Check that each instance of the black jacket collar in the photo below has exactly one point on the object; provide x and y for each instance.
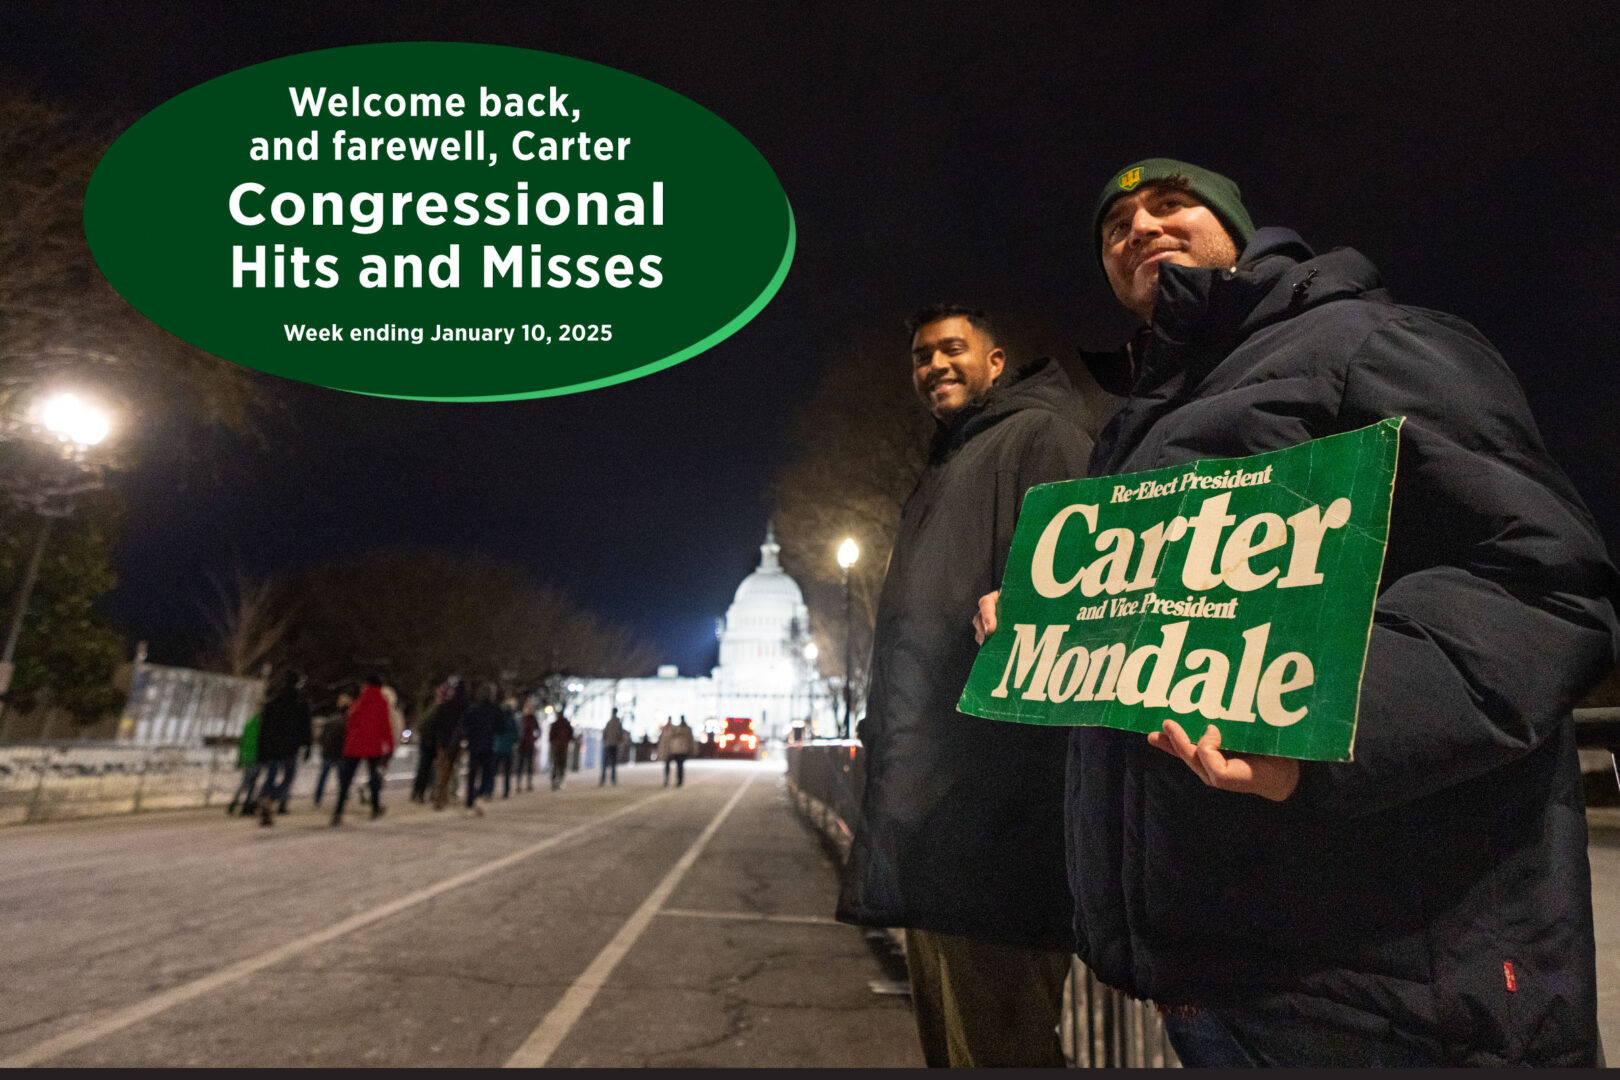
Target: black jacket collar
(1036, 384)
(1201, 314)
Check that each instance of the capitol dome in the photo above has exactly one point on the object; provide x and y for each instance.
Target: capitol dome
(768, 586)
(766, 623)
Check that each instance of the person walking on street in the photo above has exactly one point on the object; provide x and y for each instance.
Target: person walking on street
(247, 759)
(368, 737)
(559, 738)
(613, 737)
(286, 729)
(427, 747)
(333, 727)
(506, 737)
(675, 745)
(528, 739)
(447, 736)
(480, 727)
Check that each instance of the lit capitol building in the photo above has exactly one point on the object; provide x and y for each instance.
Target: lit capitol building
(766, 672)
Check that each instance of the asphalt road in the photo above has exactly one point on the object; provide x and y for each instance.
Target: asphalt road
(627, 926)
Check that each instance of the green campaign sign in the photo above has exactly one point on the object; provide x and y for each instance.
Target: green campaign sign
(442, 221)
(1237, 592)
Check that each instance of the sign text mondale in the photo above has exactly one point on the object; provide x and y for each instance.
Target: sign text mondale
(1237, 591)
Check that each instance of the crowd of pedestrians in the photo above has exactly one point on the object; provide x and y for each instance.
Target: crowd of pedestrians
(499, 738)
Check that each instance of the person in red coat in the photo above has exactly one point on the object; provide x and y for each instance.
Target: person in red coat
(369, 738)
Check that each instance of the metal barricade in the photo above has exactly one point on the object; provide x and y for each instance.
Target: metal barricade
(57, 781)
(1104, 1029)
(1099, 1028)
(171, 706)
(61, 781)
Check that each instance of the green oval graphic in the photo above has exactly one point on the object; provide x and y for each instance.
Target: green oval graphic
(440, 221)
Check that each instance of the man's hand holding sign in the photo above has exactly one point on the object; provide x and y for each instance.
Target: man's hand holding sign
(1270, 777)
(1240, 590)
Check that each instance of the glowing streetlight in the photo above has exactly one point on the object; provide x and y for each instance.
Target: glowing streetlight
(73, 420)
(848, 552)
(810, 654)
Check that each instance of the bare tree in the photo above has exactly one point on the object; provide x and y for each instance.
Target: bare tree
(59, 318)
(251, 619)
(860, 442)
(417, 617)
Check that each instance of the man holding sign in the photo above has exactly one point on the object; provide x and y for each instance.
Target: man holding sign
(1413, 890)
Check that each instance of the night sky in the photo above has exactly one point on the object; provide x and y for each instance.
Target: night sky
(939, 151)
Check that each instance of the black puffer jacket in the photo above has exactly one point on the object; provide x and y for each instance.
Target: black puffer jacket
(444, 723)
(962, 823)
(481, 725)
(1440, 878)
(285, 726)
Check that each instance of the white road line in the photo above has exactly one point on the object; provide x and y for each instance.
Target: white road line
(751, 916)
(143, 1010)
(544, 1040)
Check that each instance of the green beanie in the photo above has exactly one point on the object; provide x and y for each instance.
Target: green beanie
(1213, 190)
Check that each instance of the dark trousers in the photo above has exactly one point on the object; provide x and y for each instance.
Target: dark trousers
(504, 764)
(346, 770)
(244, 791)
(525, 765)
(559, 764)
(278, 779)
(679, 761)
(982, 1003)
(328, 765)
(424, 772)
(610, 765)
(1293, 1030)
(480, 772)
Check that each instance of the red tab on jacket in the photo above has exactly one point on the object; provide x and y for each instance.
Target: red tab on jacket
(1507, 974)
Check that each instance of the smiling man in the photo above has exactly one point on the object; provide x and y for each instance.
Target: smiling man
(1163, 221)
(954, 362)
(1428, 903)
(960, 839)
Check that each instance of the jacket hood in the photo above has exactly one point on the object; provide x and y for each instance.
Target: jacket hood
(1038, 384)
(1202, 311)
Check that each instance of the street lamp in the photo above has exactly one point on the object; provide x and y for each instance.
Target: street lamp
(77, 425)
(810, 655)
(848, 552)
(73, 421)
